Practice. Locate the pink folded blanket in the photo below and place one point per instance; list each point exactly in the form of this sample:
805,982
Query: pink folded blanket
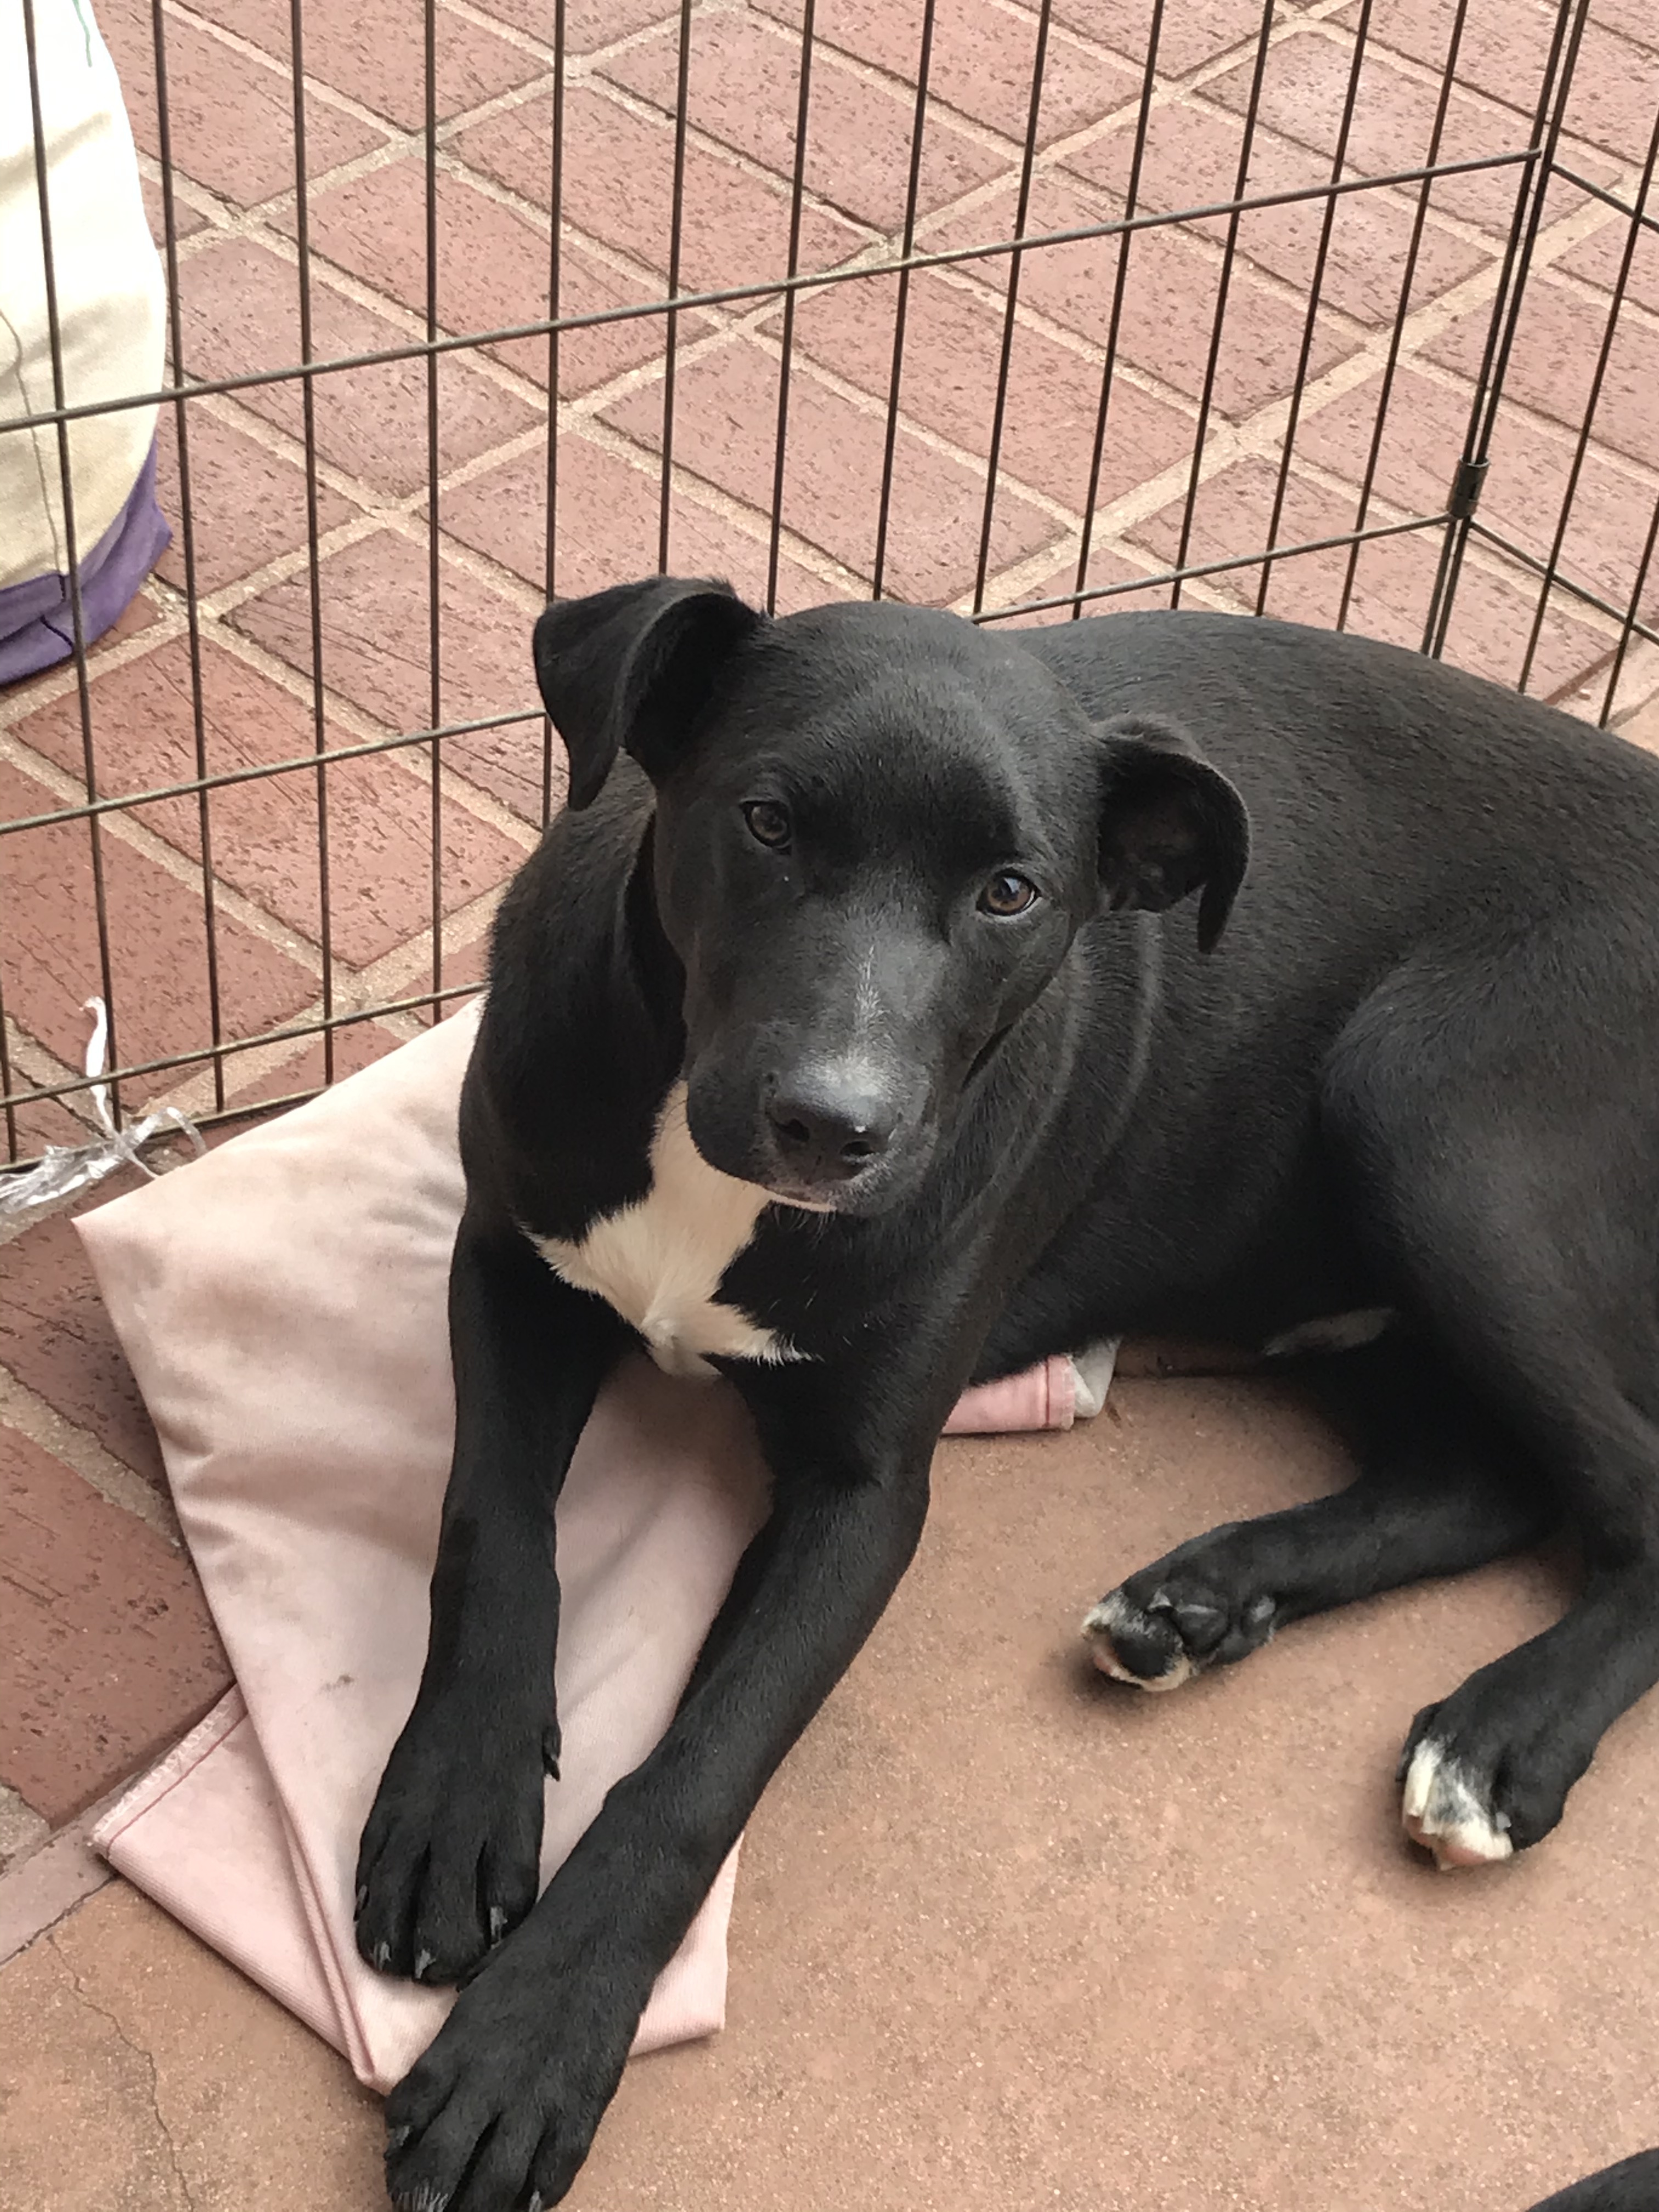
282,1304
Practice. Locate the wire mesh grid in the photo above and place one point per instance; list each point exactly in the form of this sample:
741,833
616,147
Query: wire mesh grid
1340,310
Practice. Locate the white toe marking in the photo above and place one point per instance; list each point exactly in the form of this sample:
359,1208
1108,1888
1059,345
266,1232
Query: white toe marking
1115,1611
423,1960
1443,1810
1343,1332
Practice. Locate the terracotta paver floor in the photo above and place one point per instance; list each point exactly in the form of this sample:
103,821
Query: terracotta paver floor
1003,1936
1006,1935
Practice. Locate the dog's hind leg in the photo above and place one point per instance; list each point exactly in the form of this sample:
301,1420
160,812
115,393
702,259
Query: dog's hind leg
1436,1494
1632,2185
1505,1154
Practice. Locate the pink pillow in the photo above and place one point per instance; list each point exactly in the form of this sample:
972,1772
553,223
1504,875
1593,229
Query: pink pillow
282,1303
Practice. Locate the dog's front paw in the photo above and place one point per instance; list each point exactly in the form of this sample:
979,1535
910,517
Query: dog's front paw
501,2112
1163,1627
450,1856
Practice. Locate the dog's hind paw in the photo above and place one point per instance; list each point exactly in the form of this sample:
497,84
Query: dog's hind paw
1167,1624
1442,1809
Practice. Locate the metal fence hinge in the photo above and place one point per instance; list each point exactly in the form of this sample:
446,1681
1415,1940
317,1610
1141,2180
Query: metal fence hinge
1465,494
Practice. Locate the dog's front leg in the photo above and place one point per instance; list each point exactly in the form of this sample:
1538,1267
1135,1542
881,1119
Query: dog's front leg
501,2109
449,1855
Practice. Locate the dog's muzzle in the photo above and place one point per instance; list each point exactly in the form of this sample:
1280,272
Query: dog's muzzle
825,1129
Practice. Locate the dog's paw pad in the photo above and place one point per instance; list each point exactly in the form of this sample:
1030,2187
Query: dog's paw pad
1442,1809
1136,1643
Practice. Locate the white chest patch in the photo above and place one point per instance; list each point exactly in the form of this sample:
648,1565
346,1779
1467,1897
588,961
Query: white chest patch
660,1261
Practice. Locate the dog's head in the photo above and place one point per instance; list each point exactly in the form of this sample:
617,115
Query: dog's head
877,830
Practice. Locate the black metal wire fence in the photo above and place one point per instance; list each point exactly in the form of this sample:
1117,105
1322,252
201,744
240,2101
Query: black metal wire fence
1435,242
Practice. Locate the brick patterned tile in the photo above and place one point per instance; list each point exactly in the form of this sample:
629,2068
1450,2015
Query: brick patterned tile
1614,95
589,25
47,1122
158,954
1491,623
56,1338
1423,441
231,117
469,964
744,90
1169,300
1105,566
618,187
492,271
376,635
608,517
1190,37
247,504
1191,158
374,52
240,312
981,62
377,654
187,220
1553,362
1632,19
109,1651
1394,579
1503,52
952,348
1599,258
725,432
1305,88
357,1045
266,833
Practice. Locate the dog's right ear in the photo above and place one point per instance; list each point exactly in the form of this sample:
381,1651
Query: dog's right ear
1170,824
630,669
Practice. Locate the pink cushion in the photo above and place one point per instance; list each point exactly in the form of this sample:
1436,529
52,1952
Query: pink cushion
282,1304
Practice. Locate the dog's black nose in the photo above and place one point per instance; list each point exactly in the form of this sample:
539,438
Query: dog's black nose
826,1129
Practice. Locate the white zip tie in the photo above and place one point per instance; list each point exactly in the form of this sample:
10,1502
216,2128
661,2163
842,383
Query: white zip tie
63,1170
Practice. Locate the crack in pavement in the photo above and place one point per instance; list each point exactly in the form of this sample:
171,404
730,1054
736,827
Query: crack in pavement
139,2052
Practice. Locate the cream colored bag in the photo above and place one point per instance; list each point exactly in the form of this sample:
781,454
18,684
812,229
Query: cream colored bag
111,303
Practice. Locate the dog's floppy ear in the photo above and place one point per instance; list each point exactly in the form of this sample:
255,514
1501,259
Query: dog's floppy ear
1168,823
631,667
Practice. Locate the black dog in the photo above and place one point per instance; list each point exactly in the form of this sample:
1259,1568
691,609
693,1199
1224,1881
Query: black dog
1632,2185
852,1039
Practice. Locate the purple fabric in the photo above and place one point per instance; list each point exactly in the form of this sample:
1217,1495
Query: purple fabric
36,627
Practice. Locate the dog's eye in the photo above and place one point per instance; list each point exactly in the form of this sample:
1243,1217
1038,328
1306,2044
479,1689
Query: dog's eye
768,823
1007,893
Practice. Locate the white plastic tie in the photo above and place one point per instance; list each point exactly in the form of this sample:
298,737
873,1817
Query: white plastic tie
64,1171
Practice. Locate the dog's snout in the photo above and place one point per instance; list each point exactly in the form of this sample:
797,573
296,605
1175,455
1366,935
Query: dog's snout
826,1128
